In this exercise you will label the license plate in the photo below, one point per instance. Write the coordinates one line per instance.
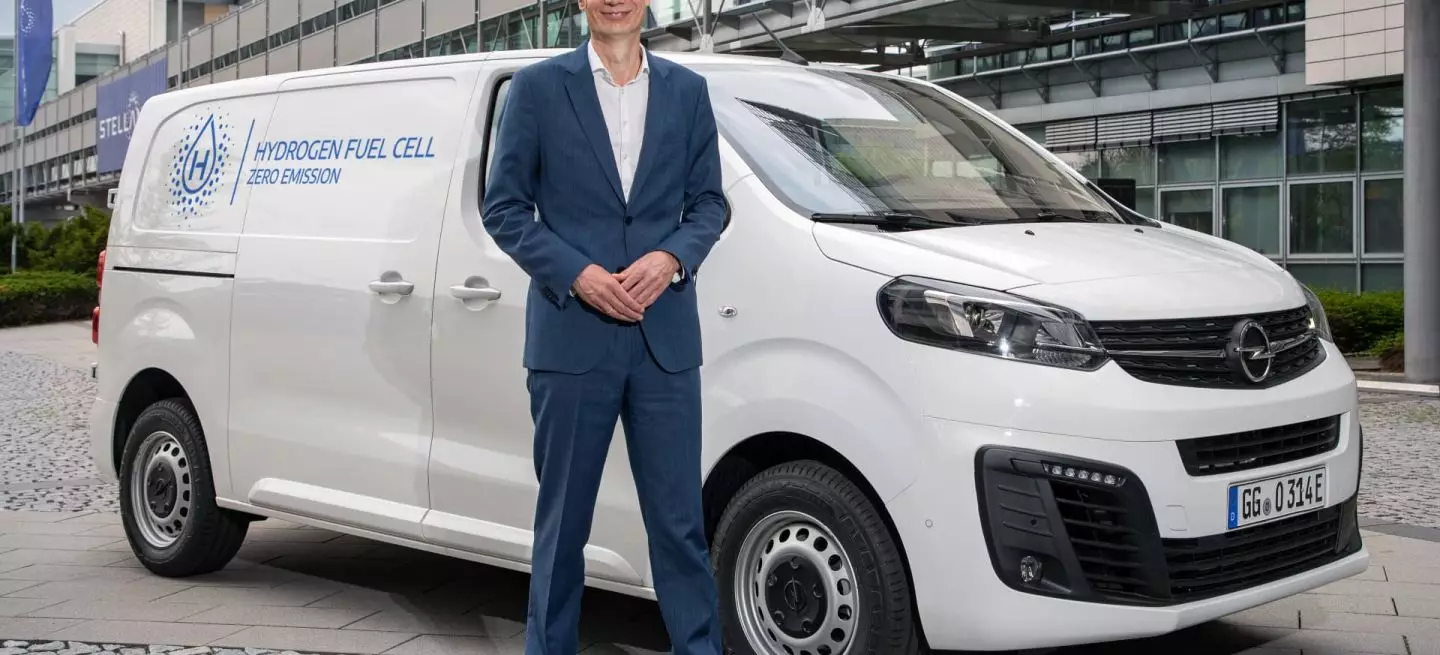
(1273, 498)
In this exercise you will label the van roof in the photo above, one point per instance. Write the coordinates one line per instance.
(178, 98)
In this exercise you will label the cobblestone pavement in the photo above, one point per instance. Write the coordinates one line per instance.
(16, 647)
(1401, 481)
(70, 586)
(44, 414)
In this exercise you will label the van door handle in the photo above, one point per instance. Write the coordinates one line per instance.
(474, 293)
(398, 287)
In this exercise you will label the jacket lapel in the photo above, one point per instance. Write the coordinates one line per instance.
(657, 114)
(583, 99)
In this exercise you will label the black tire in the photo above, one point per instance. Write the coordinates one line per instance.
(208, 536)
(885, 624)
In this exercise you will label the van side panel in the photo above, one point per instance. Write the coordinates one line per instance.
(331, 395)
(170, 258)
(171, 311)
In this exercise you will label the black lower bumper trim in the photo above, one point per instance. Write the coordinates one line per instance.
(1095, 536)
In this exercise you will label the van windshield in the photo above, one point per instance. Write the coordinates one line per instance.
(836, 144)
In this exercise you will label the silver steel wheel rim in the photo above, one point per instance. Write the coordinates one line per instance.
(161, 492)
(780, 560)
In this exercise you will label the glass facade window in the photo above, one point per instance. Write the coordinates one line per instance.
(1250, 157)
(1321, 136)
(1382, 130)
(565, 26)
(1384, 216)
(1382, 277)
(1251, 217)
(1189, 208)
(1322, 218)
(1186, 162)
(1130, 163)
(1339, 277)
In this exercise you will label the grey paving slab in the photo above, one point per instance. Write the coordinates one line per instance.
(1390, 589)
(23, 606)
(1424, 646)
(1403, 625)
(315, 639)
(1429, 609)
(285, 595)
(119, 610)
(1310, 640)
(381, 601)
(145, 589)
(473, 624)
(32, 628)
(281, 617)
(26, 556)
(61, 573)
(449, 645)
(146, 632)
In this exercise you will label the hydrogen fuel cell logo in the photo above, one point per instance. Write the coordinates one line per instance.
(201, 161)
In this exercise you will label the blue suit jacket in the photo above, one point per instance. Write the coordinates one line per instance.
(553, 153)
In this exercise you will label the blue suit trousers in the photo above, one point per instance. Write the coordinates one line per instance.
(575, 416)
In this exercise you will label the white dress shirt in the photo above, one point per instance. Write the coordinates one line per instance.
(624, 109)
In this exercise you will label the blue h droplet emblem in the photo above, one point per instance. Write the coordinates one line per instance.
(199, 161)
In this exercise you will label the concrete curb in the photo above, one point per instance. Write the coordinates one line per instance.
(1400, 387)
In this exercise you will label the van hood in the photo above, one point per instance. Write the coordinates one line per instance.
(1009, 256)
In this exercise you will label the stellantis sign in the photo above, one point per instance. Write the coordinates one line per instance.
(117, 105)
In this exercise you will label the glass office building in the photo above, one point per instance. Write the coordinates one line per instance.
(1221, 125)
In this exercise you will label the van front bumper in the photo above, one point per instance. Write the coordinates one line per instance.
(1147, 557)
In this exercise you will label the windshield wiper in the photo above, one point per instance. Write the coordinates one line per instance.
(883, 219)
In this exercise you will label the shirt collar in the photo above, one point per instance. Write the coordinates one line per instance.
(597, 66)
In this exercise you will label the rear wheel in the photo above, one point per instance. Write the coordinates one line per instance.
(167, 496)
(806, 566)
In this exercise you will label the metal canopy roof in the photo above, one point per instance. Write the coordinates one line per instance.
(869, 32)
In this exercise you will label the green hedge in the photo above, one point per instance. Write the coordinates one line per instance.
(1361, 321)
(41, 297)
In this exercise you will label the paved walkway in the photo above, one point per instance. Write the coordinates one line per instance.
(71, 578)
(69, 585)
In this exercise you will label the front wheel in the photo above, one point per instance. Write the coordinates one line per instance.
(167, 497)
(806, 565)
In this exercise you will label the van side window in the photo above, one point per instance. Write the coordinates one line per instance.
(497, 107)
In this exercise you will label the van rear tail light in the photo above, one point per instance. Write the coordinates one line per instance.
(95, 326)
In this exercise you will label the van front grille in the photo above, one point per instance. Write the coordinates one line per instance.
(1254, 449)
(1191, 352)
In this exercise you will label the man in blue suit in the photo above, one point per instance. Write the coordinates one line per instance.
(605, 189)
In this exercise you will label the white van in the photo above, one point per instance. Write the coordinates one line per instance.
(958, 395)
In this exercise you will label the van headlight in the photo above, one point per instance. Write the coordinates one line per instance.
(1318, 321)
(985, 322)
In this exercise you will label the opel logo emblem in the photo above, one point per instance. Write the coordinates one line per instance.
(794, 597)
(1250, 351)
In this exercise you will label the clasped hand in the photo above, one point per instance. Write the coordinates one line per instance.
(625, 295)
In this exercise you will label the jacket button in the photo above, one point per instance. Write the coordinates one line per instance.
(629, 220)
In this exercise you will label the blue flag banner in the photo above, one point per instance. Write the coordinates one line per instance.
(34, 25)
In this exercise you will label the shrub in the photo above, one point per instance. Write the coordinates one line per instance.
(1391, 352)
(40, 297)
(1362, 320)
(72, 245)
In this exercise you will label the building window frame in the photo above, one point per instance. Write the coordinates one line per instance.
(1289, 196)
(1222, 220)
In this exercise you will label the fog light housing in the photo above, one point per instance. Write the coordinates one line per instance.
(1030, 569)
